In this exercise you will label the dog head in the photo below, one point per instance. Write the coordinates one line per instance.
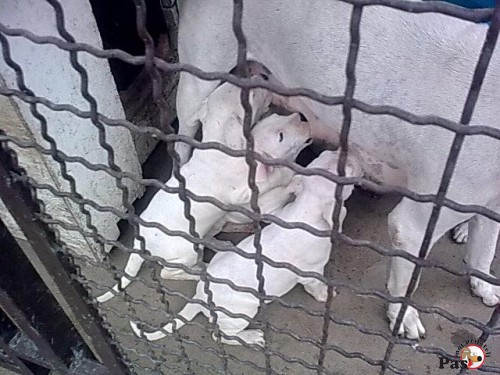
(279, 137)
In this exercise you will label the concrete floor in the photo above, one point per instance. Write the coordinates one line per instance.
(364, 268)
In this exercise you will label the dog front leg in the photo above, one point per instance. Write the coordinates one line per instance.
(269, 203)
(191, 93)
(481, 251)
(188, 129)
(279, 177)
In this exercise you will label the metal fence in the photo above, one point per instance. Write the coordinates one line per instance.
(159, 358)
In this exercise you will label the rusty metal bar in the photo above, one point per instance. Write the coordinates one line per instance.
(18, 317)
(12, 356)
(51, 270)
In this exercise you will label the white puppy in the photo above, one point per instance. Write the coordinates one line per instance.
(269, 203)
(406, 60)
(314, 206)
(213, 173)
(217, 115)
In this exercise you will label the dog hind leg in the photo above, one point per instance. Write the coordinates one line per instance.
(131, 269)
(480, 253)
(249, 336)
(236, 327)
(187, 313)
(170, 273)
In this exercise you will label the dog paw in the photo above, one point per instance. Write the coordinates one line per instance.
(460, 233)
(322, 294)
(249, 336)
(411, 326)
(253, 336)
(490, 294)
(319, 291)
(179, 274)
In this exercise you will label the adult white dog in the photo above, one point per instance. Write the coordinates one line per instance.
(314, 206)
(421, 63)
(214, 173)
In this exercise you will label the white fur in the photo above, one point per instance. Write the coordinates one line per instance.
(314, 206)
(218, 111)
(217, 114)
(421, 63)
(460, 233)
(269, 203)
(213, 173)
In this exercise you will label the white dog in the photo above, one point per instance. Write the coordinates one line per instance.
(213, 173)
(421, 63)
(217, 115)
(314, 206)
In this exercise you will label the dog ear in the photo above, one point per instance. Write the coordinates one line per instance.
(263, 171)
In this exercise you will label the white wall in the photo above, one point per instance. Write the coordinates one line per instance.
(47, 72)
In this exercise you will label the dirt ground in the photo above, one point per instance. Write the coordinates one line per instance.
(361, 266)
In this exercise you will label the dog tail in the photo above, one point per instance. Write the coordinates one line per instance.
(132, 269)
(188, 313)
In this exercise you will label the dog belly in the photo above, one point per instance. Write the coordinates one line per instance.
(406, 61)
(395, 67)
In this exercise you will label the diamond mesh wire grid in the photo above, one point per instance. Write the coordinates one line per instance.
(182, 353)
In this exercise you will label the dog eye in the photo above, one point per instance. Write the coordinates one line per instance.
(281, 136)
